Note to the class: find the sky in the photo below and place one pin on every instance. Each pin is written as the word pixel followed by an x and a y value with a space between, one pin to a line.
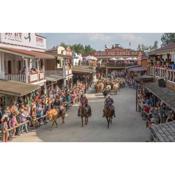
pixel 98 40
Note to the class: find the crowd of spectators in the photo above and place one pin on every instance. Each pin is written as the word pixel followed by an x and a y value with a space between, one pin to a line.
pixel 153 109
pixel 25 113
pixel 167 65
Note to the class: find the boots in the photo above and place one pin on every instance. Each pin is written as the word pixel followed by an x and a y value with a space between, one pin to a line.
pixel 114 114
pixel 79 112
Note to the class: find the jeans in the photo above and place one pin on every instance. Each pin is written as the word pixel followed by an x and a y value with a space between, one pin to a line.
pixel 24 127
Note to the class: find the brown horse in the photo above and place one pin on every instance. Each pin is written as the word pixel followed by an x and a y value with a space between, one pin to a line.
pixel 99 87
pixel 54 114
pixel 85 113
pixel 108 113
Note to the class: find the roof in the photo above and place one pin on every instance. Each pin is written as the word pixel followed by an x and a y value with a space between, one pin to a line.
pixel 145 78
pixel 165 94
pixel 54 77
pixel 166 49
pixel 15 88
pixel 83 69
pixel 27 53
pixel 164 132
pixel 136 69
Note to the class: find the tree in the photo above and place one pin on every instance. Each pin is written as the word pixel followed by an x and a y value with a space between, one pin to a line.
pixel 155 46
pixel 168 38
pixel 63 45
pixel 139 47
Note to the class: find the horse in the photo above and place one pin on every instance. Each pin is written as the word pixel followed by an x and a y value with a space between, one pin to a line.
pixel 54 114
pixel 116 87
pixel 85 113
pixel 108 113
pixel 99 87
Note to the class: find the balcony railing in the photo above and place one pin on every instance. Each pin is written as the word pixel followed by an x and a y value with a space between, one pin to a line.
pixel 36 77
pixel 167 74
pixel 16 77
pixel 22 77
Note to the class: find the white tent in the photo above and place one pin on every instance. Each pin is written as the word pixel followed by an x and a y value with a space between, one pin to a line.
pixel 129 58
pixel 91 58
pixel 113 59
pixel 135 58
pixel 121 58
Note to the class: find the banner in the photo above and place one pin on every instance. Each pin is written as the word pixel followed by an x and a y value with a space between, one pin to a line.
pixel 24 39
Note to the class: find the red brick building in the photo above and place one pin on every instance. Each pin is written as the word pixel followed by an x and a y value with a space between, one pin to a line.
pixel 116 52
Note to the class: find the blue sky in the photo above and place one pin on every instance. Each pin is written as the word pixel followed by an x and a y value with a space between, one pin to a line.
pixel 98 40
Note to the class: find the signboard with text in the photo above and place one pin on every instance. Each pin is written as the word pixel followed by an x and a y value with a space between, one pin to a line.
pixel 24 39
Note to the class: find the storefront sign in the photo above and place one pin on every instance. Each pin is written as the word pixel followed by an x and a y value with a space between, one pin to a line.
pixel 23 39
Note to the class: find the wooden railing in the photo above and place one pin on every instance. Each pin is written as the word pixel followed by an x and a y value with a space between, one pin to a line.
pixel 16 77
pixel 167 74
pixel 22 77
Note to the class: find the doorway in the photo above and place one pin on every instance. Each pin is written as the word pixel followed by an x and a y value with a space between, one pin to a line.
pixel 9 67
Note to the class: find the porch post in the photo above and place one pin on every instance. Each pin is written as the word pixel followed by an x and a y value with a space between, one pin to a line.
pixel 2 65
pixel 38 69
pixel 27 70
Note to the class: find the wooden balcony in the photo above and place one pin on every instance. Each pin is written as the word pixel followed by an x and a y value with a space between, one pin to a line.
pixel 23 78
pixel 16 77
pixel 159 72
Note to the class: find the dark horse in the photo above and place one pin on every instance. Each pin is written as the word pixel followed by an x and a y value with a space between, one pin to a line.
pixel 85 113
pixel 108 113
pixel 106 92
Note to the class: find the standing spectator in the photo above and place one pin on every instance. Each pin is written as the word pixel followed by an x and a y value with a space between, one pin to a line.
pixel 5 133
pixel 23 120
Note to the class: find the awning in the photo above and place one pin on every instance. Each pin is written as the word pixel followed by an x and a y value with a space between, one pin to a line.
pixel 15 88
pixel 54 78
pixel 144 78
pixel 27 53
pixel 165 94
pixel 136 69
pixel 82 70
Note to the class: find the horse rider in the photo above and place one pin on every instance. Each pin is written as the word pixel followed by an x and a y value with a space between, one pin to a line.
pixel 109 103
pixel 83 103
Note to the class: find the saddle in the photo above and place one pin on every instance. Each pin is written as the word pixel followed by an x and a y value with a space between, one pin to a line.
pixel 108 109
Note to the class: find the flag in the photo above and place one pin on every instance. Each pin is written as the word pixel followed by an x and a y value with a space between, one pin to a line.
pixel 129 43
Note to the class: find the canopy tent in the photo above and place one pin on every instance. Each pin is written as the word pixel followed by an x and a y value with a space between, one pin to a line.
pixel 129 59
pixel 135 58
pixel 91 58
pixel 113 59
pixel 121 59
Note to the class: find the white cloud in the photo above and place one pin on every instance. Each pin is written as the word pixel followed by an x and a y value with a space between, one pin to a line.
pixel 99 37
pixel 131 37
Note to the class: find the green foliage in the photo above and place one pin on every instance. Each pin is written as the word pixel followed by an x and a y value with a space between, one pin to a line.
pixel 168 38
pixel 142 47
pixel 79 48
